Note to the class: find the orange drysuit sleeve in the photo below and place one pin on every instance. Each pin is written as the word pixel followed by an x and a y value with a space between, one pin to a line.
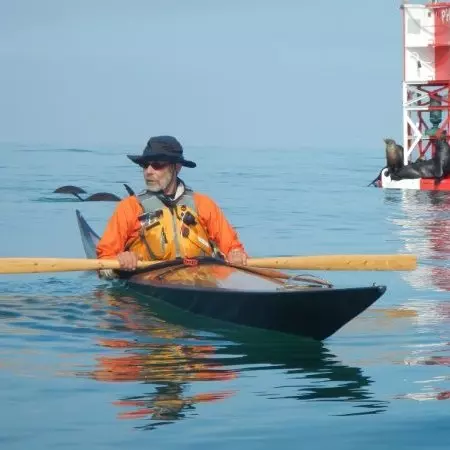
pixel 217 226
pixel 123 226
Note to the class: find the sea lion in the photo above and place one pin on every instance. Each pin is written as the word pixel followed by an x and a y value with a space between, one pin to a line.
pixel 394 160
pixel 437 167
pixel 418 169
pixel 442 158
pixel 394 155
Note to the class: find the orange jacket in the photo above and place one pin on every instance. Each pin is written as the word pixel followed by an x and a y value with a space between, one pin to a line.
pixel 123 227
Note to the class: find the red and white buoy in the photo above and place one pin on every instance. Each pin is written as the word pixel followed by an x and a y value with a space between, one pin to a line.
pixel 426 86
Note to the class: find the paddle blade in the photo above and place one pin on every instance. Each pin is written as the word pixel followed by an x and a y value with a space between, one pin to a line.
pixel 337 262
pixel 39 265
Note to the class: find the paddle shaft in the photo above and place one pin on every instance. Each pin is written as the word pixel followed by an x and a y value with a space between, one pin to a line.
pixel 338 262
pixel 40 265
pixel 324 262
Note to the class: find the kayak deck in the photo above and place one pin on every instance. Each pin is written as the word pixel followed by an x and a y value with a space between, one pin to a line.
pixel 211 274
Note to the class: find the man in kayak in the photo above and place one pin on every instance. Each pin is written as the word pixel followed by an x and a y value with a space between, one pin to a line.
pixel 167 219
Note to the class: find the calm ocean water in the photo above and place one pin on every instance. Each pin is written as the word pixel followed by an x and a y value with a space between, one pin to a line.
pixel 84 366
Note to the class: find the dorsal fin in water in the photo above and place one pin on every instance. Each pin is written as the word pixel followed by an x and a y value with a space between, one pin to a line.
pixel 102 197
pixel 69 189
pixel 129 190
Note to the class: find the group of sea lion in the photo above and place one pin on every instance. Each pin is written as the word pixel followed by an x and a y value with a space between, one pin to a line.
pixel 97 197
pixel 436 167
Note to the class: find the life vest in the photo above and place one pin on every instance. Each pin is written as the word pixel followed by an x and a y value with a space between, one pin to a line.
pixel 170 229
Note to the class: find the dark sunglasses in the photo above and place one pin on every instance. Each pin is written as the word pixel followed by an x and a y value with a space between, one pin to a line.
pixel 157 165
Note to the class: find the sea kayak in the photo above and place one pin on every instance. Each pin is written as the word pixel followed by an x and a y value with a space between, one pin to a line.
pixel 211 288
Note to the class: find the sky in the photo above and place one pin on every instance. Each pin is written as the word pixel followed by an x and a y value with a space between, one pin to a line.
pixel 241 73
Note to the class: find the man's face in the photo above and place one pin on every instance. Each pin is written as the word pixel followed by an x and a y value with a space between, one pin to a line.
pixel 158 175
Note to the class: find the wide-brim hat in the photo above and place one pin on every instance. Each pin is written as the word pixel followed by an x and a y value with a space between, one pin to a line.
pixel 162 148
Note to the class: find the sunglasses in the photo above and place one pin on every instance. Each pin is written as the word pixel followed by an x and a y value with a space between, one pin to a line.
pixel 157 165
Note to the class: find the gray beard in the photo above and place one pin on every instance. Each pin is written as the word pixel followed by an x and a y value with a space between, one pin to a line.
pixel 153 187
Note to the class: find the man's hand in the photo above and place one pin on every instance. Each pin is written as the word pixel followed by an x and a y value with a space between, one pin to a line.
pixel 128 260
pixel 237 256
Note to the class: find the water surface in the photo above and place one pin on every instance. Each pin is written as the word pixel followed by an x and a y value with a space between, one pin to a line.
pixel 86 365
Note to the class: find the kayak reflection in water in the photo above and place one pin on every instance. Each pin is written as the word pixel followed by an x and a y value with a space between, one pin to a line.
pixel 167 219
pixel 168 365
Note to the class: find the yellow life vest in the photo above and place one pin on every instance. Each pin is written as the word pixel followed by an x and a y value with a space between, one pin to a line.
pixel 170 229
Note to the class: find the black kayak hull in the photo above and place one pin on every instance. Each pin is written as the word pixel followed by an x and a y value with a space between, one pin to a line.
pixel 215 290
pixel 315 313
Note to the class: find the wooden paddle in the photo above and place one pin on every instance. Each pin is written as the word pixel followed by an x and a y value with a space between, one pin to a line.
pixel 323 262
pixel 338 262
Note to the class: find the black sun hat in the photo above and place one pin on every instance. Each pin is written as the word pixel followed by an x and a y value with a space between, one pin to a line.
pixel 162 148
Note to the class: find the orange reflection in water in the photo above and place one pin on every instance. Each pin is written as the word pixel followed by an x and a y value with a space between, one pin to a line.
pixel 160 362
pixel 167 405
pixel 154 358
